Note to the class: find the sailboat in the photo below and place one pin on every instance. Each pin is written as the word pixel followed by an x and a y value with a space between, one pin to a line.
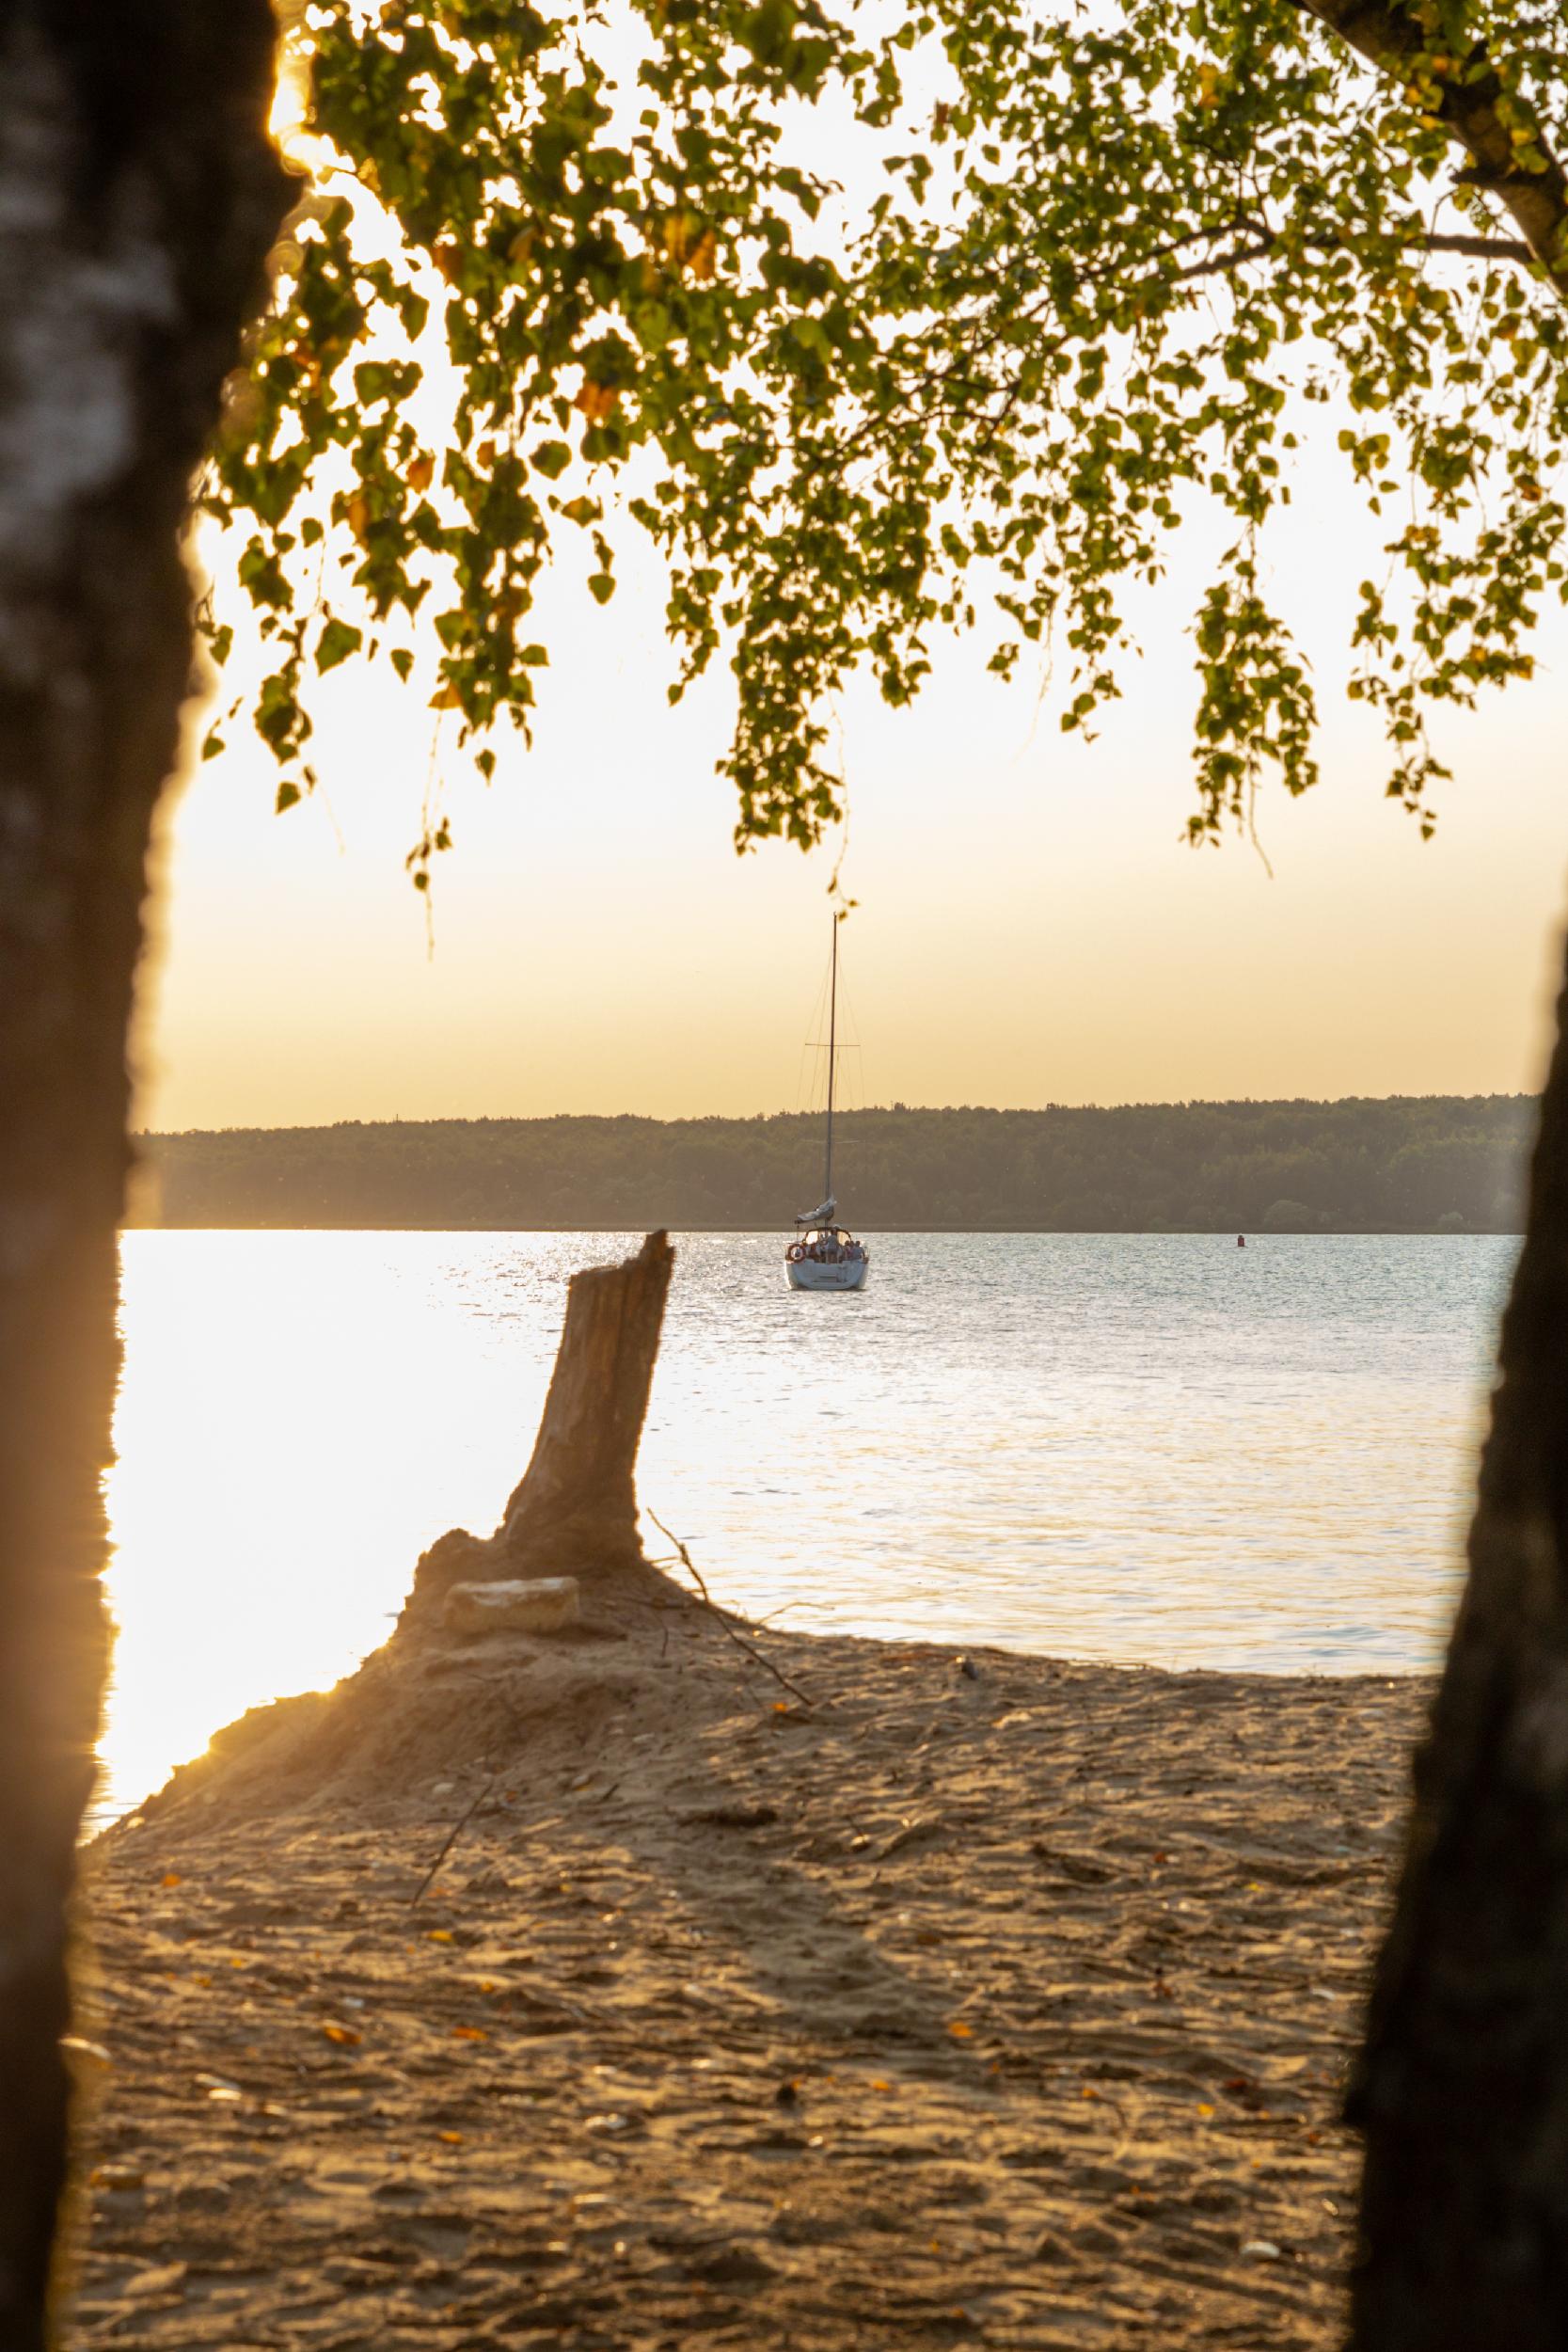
pixel 823 1256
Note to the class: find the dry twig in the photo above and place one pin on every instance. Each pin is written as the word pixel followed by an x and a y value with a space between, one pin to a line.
pixel 452 1836
pixel 709 1603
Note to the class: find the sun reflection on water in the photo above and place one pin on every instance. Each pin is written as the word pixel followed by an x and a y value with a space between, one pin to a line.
pixel 299 1415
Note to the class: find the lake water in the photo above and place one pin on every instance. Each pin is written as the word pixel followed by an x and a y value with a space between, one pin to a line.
pixel 1144 1448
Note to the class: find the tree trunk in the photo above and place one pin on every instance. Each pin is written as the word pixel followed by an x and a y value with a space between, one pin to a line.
pixel 1461 2087
pixel 137 199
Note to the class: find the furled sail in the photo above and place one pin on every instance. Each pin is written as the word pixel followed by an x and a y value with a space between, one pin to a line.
pixel 824 1216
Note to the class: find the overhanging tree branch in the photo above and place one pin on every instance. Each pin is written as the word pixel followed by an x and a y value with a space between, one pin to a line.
pixel 1483 249
pixel 1468 101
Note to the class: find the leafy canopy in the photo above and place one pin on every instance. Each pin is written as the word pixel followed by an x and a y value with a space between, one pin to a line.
pixel 1108 251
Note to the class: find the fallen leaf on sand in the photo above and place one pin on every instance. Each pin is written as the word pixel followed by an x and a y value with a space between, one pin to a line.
pixel 454 2139
pixel 959 2028
pixel 1204 2110
pixel 470 2033
pixel 878 2084
pixel 440 1935
pixel 344 2034
pixel 171 1878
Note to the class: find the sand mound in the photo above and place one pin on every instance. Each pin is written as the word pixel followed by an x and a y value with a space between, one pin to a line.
pixel 430 1703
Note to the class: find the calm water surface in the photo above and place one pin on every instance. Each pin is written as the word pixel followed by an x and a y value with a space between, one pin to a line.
pixel 1130 1447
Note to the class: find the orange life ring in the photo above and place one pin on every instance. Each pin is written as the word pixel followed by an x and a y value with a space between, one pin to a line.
pixel 795 1253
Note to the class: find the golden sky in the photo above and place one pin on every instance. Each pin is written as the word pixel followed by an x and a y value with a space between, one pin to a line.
pixel 1029 926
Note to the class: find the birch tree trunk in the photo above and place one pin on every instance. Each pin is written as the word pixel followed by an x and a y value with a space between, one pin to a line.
pixel 1462 2088
pixel 139 196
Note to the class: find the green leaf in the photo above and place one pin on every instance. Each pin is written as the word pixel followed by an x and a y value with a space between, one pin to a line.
pixel 338 640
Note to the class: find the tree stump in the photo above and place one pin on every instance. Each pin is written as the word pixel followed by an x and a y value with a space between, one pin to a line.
pixel 573 1511
pixel 576 1505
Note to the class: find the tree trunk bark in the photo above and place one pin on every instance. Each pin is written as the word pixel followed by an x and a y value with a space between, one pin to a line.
pixel 139 196
pixel 1462 2087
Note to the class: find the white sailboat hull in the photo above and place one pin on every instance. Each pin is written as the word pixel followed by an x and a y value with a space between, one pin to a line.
pixel 809 1274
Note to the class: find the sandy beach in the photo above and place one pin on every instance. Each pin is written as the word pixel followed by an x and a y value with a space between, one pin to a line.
pixel 934 1998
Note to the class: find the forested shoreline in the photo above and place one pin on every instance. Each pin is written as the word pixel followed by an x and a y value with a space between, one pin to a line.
pixel 1406 1163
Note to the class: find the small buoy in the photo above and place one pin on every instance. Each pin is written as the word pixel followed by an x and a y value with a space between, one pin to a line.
pixel 1240 1241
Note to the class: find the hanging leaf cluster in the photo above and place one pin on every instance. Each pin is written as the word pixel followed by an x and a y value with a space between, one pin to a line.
pixel 1089 272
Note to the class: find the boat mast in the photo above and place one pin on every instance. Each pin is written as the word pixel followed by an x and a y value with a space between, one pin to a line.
pixel 833 1059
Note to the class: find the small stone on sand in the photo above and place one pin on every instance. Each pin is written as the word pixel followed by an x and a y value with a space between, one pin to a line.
pixel 542 1604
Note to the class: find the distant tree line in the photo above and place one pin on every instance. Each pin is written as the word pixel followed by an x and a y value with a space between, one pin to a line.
pixel 1409 1164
